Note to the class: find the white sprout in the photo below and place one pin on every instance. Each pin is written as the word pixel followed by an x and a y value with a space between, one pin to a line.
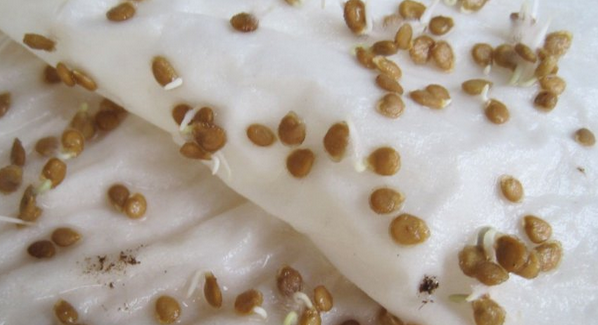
pixel 301 297
pixel 484 93
pixel 290 319
pixel 215 165
pixel 359 164
pixel 176 83
pixel 260 311
pixel 425 18
pixel 487 69
pixel 42 188
pixel 220 156
pixel 514 80
pixel 187 119
pixel 15 220
pixel 534 13
pixel 84 107
pixel 458 297
pixel 65 155
pixel 486 238
pixel 194 284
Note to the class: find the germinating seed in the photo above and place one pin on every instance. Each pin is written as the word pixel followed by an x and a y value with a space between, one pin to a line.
pixel 289 281
pixel 73 142
pixel 441 25
pixel 55 171
pixel 300 162
pixel 546 67
pixel 490 273
pixel 409 9
pixel 553 83
pixel 204 115
pixel 51 75
pixel 42 249
pixel 65 74
pixel 244 22
pixel 209 137
pixel 388 67
pixel 248 300
pixel 11 178
pixel 407 229
pixel 179 112
pixel 355 16
pixel 420 51
pixel 28 209
pixel 546 101
pixel 531 268
pixel 385 161
pixel 482 54
pixel 211 291
pixel 167 310
pixel 65 237
pixel 336 141
pixel 5 101
pixel 365 57
pixel 323 300
pixel 439 92
pixel 390 105
pixel 426 98
pixel 472 5
pixel 39 42
pixel 65 312
pixel 118 195
pixel 135 206
pixel 47 146
pixel 585 137
pixel 404 37
pixel 550 254
pixel 163 71
pixel 496 112
pixel 469 258
pixel 487 312
pixel 475 86
pixel 84 123
pixel 261 135
pixel 557 43
pixel 310 316
pixel 121 12
pixel 386 318
pixel 83 80
pixel 17 153
pixel 386 200
pixel 511 188
pixel 511 253
pixel 291 130
pixel 526 53
pixel 192 150
pixel 537 230
pixel 505 56
pixel 385 48
pixel 388 83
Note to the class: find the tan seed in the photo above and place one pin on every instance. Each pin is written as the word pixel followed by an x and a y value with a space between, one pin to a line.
pixel 475 86
pixel 211 291
pixel 388 67
pixel 39 42
pixel 384 161
pixel 55 171
pixel 17 153
pixel 511 188
pixel 179 112
pixel 65 74
pixel 204 115
pixel 557 43
pixel 388 83
pixel 323 300
pixel 526 53
pixel 386 318
pixel 73 142
pixel 469 258
pixel 439 92
pixel 407 229
pixel 425 98
pixel 246 301
pixel 350 322
pixel 355 16
pixel 51 75
pixel 531 268
pixel 118 195
pixel 487 312
pixel 482 54
pixel 192 150
pixel 28 209
pixel 289 281
pixel 391 105
pixel 404 37
pixel 11 178
pixel 209 137
pixel 585 137
pixel 167 310
pixel 472 5
pixel 110 106
pixel 537 230
pixel 65 237
pixel 496 112
pixel 505 56
pixel 84 123
pixel 121 12
pixel 384 48
pixel 42 249
pixel 294 2
pixel 107 120
pixel 511 253
pixel 5 101
pixel 365 57
pixel 310 317
pixel 550 254
pixel 443 56
pixel 135 206
pixel 490 273
pixel 546 67
pixel 441 25
pixel 386 200
pixel 47 146
pixel 300 162
pixel 244 22
pixel 291 130
pixel 163 71
pixel 420 51
pixel 409 9
pixel 336 141
pixel 553 84
pixel 65 312
pixel 83 80
pixel 261 135
pixel 546 101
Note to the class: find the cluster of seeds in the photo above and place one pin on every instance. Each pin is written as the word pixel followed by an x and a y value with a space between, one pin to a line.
pixel 134 206
pixel 167 310
pixel 11 176
pixel 203 136
pixel 75 77
pixel 61 237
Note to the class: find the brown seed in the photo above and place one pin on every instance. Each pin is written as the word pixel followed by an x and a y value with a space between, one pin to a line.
pixel 487 312
pixel 425 98
pixel 365 57
pixel 65 74
pixel 409 230
pixel 17 153
pixel 39 42
pixel 553 83
pixel 300 162
pixel 5 101
pixel 110 106
pixel 404 37
pixel 472 5
pixel 537 230
pixel 441 25
pixel 121 12
pixel 261 135
pixel 511 253
pixel 355 16
pixel 388 67
pixel 482 54
pixel 585 137
pixel 294 2
pixel 135 206
pixel 73 142
pixel 244 22
pixel 546 101
pixel 384 48
pixel 65 312
pixel 505 56
pixel 179 111
pixel 11 178
pixel 386 318
pixel 211 291
pixel 107 120
pixel 51 75
pixel 84 123
pixel 118 195
pixel 167 310
pixel 475 86
pixel 490 273
pixel 409 9
pixel 336 141
pixel 192 150
pixel 557 43
pixel 209 137
pixel 163 71
pixel 47 146
pixel 531 268
pixel 386 200
pixel 55 171
pixel 350 322
pixel 439 92
pixel 550 254
pixel 310 317
pixel 42 249
pixel 391 105
pixel 388 83
pixel 385 161
pixel 443 56
pixel 546 67
pixel 83 80
pixel 511 188
pixel 28 209
pixel 291 130
pixel 323 299
pixel 526 53
pixel 289 281
pixel 420 51
pixel 65 237
pixel 248 300
pixel 496 112
pixel 469 258
pixel 204 115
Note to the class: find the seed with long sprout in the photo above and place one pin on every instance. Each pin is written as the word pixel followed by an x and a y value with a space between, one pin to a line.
pixel 247 301
pixel 289 281
pixel 50 75
pixel 441 25
pixel 121 12
pixel 42 249
pixel 47 146
pixel 490 273
pixel 135 206
pixel 511 188
pixel 11 178
pixel 585 137
pixel 73 142
pixel 323 299
pixel 553 83
pixel 300 162
pixel 210 137
pixel 55 171
pixel 550 254
pixel 179 111
pixel 83 122
pixel 390 105
pixel 384 161
pixel 410 9
pixel 420 51
pixel 505 56
pixel 211 291
pixel 537 229
pixel 496 112
pixel 310 316
pixel 65 74
pixel 386 318
pixel 244 22
pixel 28 209
pixel 365 57
pixel 407 229
pixel 385 48
pixel 118 195
pixel 531 268
pixel 65 236
pixel 17 153
pixel 354 13
pixel 546 67
pixel 511 253
pixel 336 141
pixel 163 71
pixel 482 54
pixel 469 258
pixel 388 67
pixel 443 56
pixel 487 312
pixel 291 130
pixel 65 312
pixel 546 101
pixel 388 83
pixel 5 101
pixel 167 310
pixel 558 43
pixel 192 150
pixel 475 86
pixel 39 42
pixel 260 135
pixel 386 200
pixel 404 37
pixel 84 80
pixel 526 53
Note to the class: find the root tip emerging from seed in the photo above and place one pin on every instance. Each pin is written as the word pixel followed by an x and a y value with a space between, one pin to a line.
pixel 42 188
pixel 301 297
pixel 174 84
pixel 290 319
pixel 260 311
pixel 16 221
pixel 194 284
